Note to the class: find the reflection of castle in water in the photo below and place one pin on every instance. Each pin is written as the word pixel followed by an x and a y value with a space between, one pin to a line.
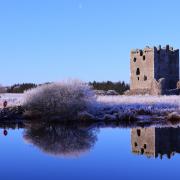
pixel 155 142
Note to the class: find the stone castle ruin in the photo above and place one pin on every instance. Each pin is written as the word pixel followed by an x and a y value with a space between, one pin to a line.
pixel 154 71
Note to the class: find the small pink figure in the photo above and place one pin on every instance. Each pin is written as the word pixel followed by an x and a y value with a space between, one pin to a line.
pixel 5 132
pixel 5 104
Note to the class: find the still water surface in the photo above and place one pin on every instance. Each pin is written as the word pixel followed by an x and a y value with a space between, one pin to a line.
pixel 61 152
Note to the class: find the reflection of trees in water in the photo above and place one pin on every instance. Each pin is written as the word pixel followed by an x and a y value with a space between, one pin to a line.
pixel 61 139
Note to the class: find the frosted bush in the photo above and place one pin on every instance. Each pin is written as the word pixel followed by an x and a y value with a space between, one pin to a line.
pixel 64 99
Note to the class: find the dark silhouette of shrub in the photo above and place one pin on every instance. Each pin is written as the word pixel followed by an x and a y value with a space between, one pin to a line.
pixel 61 140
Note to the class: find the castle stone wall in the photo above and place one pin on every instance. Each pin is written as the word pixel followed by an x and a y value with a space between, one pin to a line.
pixel 142 68
pixel 166 66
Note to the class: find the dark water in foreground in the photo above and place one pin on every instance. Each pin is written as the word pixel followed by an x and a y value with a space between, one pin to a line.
pixel 80 152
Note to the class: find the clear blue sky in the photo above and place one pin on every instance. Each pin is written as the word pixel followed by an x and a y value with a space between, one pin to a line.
pixel 51 40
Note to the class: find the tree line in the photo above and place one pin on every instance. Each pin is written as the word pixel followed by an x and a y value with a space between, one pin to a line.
pixel 119 87
pixel 20 88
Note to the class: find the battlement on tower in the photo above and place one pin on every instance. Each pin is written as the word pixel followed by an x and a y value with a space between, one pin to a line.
pixel 167 49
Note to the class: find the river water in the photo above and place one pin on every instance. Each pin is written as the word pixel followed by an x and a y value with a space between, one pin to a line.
pixel 52 152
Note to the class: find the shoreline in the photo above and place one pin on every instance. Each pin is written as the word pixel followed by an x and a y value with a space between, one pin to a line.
pixel 130 109
pixel 17 115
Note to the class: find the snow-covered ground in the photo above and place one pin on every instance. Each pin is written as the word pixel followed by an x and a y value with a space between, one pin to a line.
pixel 12 99
pixel 170 101
pixel 125 102
pixel 148 103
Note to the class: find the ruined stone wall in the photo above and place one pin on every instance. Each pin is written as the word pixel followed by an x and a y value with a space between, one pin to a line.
pixel 166 65
pixel 178 85
pixel 142 68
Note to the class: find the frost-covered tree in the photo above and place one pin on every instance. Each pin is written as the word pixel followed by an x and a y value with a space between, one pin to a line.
pixel 64 99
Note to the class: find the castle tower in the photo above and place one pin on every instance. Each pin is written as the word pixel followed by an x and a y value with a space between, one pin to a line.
pixel 151 64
